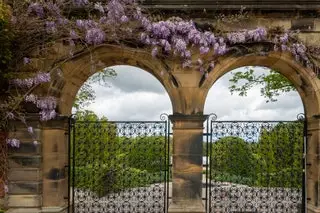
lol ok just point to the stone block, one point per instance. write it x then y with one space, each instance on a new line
24 201
25 187
25 174
187 206
313 209
55 192
24 136
27 148
24 210
63 209
21 161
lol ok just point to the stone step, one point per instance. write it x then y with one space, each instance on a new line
24 210
25 187
24 201
25 174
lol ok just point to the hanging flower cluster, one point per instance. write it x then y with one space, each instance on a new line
47 106
27 83
113 21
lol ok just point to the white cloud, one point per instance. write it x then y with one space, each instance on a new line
137 95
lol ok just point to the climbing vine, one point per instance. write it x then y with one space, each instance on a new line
29 30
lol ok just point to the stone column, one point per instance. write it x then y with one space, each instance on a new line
313 165
187 164
25 172
54 162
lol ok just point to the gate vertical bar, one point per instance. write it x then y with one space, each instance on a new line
304 178
69 166
207 160
71 138
165 169
73 161
212 117
168 164
165 118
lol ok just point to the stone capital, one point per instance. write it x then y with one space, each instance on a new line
182 121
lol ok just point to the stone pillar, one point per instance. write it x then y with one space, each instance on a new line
54 162
187 164
37 177
313 166
25 172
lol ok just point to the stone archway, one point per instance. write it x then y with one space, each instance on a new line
307 85
44 169
78 70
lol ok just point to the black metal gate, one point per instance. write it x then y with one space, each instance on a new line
118 167
255 166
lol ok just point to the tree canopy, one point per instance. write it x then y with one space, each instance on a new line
273 83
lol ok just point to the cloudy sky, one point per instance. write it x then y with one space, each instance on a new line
136 95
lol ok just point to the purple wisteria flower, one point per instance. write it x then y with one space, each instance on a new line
235 38
54 8
86 24
62 21
204 50
31 98
47 103
51 27
115 11
46 115
37 9
98 6
187 64
13 142
29 82
95 36
10 115
26 60
124 19
73 34
41 77
30 129
154 52
80 2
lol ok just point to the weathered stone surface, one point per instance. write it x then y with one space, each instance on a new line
24 210
187 163
32 161
187 89
25 187
312 209
55 192
27 148
24 201
55 209
186 207
25 174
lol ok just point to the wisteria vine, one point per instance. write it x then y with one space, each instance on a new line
115 21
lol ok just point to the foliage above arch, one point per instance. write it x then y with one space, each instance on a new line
81 24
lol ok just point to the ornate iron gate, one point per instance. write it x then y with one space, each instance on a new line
255 166
118 166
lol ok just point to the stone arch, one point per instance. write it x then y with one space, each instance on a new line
76 71
307 85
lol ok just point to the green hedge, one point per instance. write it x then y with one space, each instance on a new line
103 180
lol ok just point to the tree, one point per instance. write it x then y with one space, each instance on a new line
232 160
280 151
93 145
86 94
274 83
